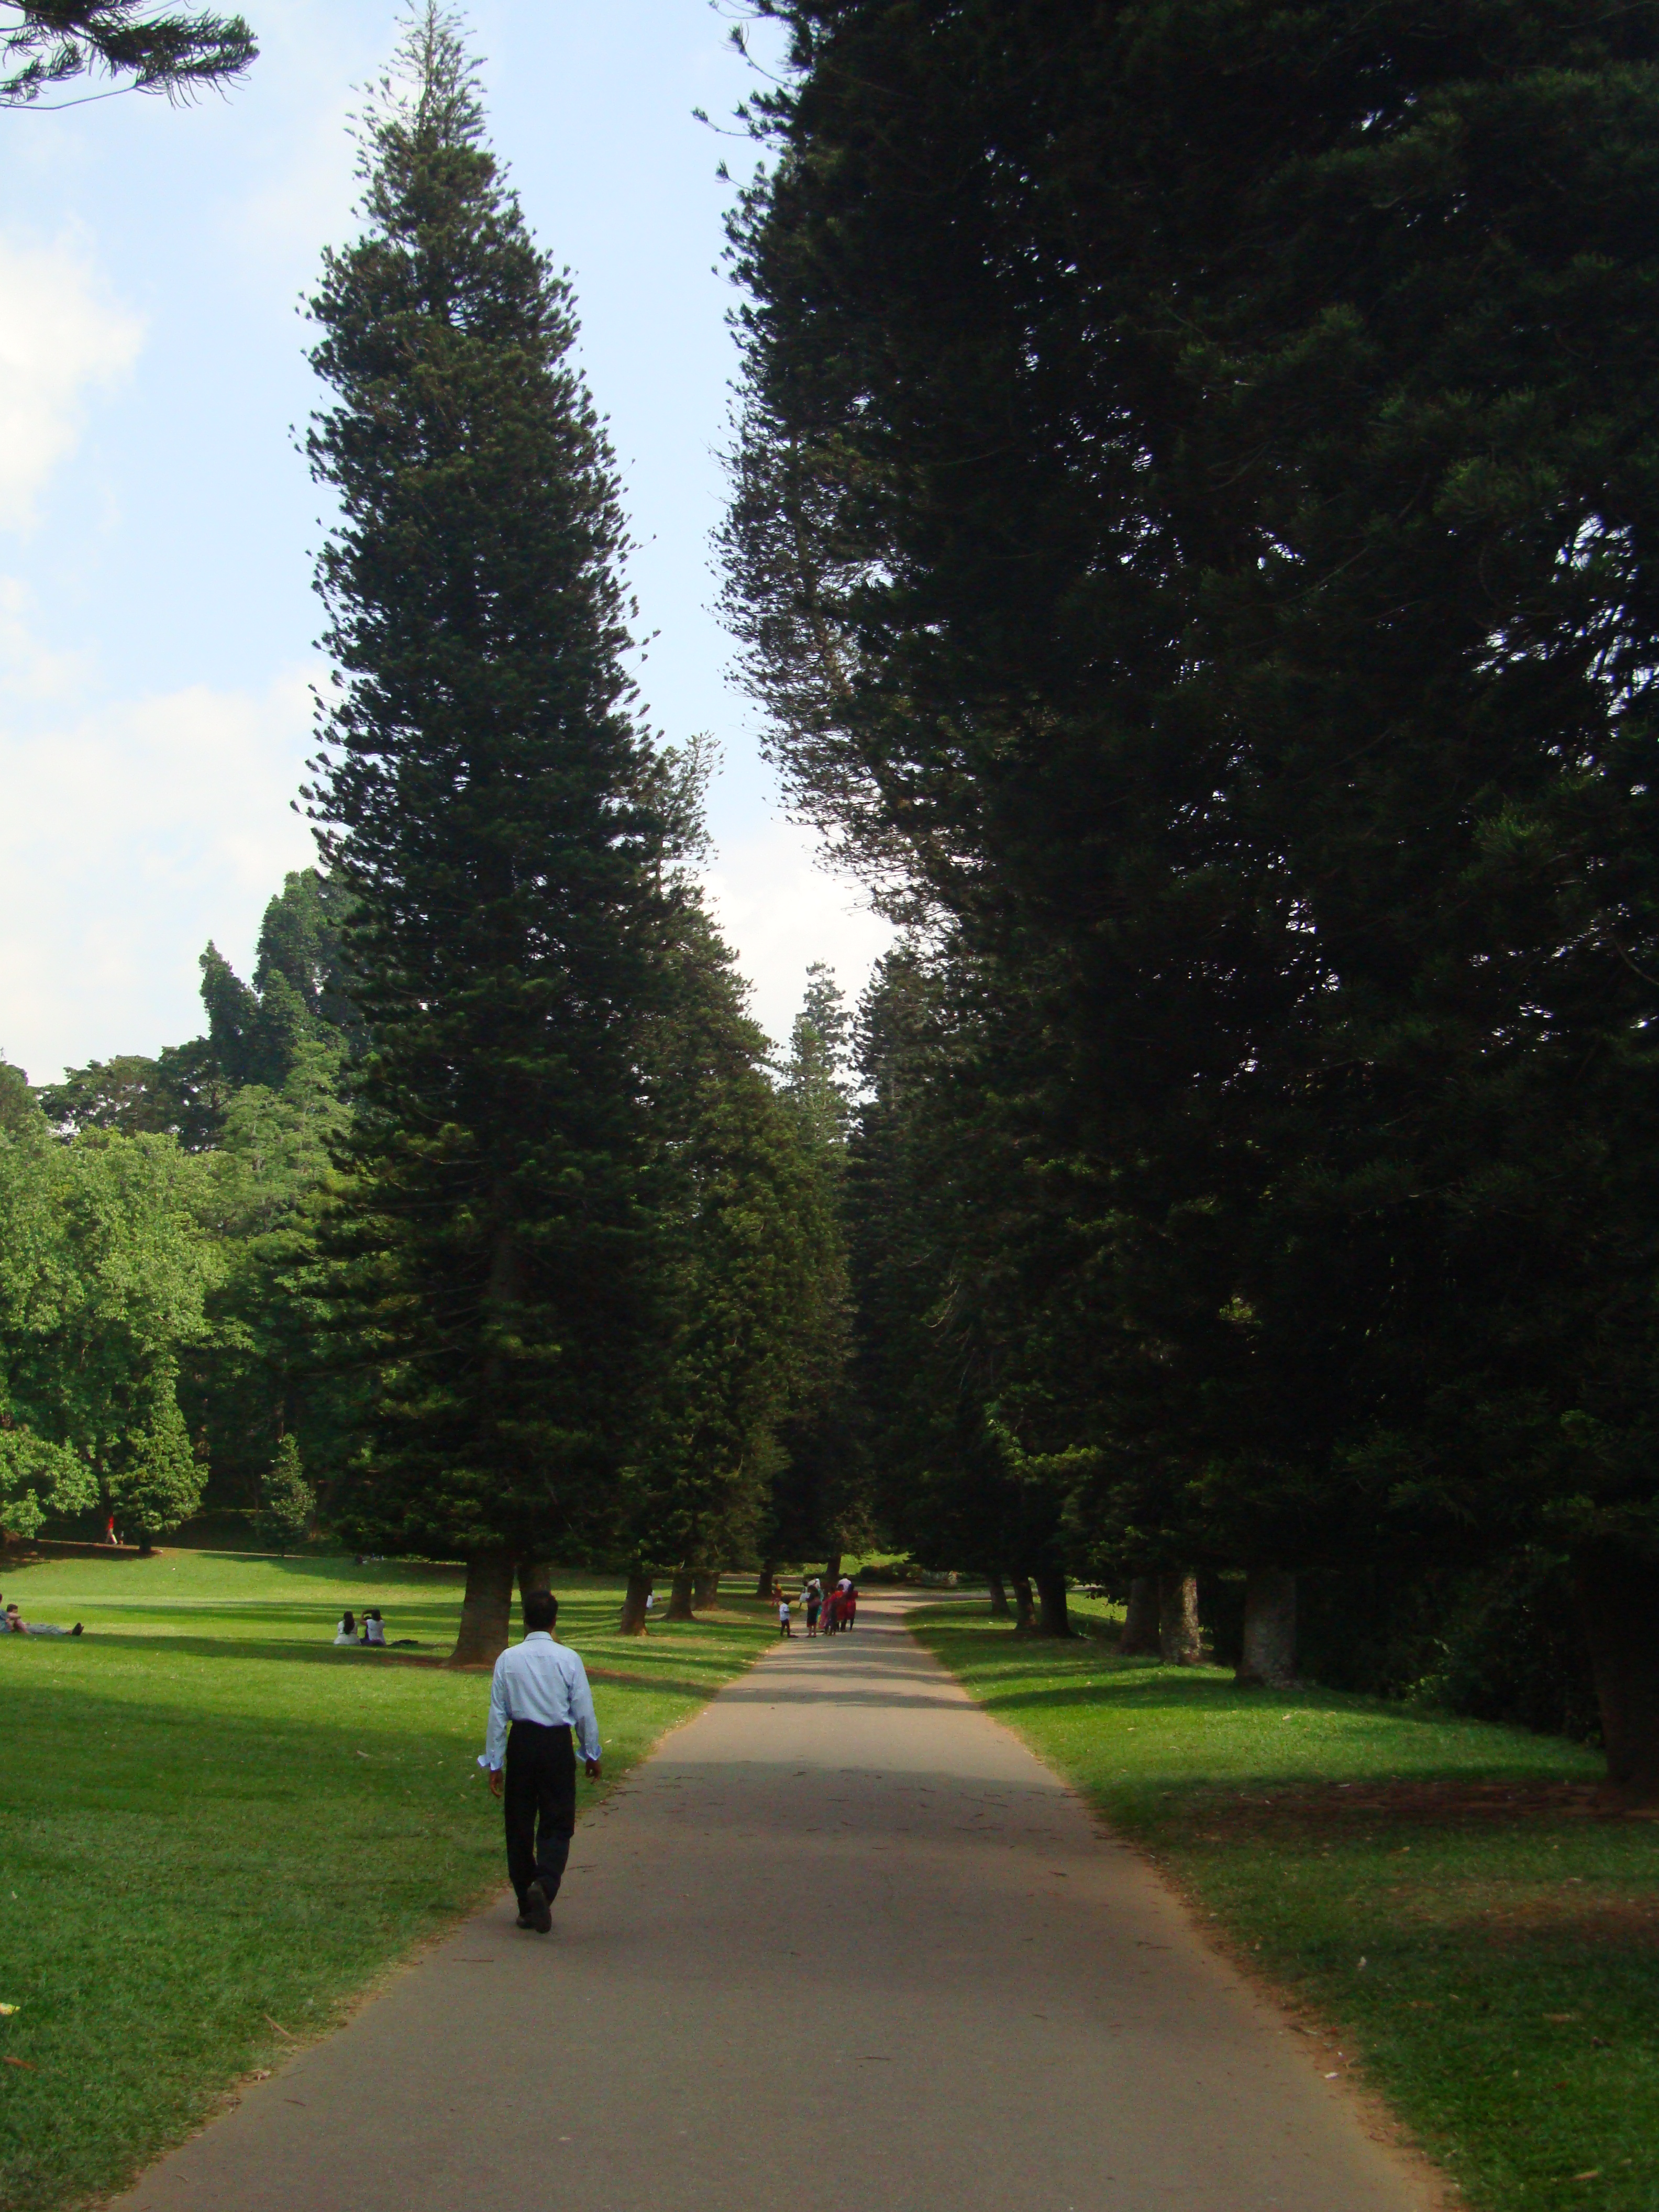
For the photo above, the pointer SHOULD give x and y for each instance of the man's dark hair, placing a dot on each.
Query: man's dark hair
(541, 1608)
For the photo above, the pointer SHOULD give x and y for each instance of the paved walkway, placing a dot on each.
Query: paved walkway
(841, 1924)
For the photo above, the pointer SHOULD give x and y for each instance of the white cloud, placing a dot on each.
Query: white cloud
(59, 332)
(780, 909)
(130, 835)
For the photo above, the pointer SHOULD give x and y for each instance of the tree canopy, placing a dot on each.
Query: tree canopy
(47, 43)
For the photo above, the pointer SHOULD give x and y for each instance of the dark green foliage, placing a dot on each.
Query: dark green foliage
(179, 1093)
(820, 1494)
(156, 1481)
(485, 799)
(18, 1109)
(287, 1504)
(256, 1034)
(54, 41)
(751, 1242)
(1193, 526)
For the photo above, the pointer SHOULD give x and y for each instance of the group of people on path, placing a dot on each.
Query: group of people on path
(834, 1612)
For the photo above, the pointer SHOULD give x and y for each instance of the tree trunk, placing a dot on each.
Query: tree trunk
(705, 1589)
(832, 1572)
(1269, 1649)
(679, 1596)
(632, 1611)
(999, 1597)
(1177, 1619)
(534, 1574)
(1619, 1605)
(766, 1577)
(486, 1609)
(1052, 1617)
(1025, 1605)
(1140, 1637)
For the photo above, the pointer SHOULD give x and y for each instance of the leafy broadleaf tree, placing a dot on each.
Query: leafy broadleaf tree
(106, 1260)
(46, 44)
(485, 796)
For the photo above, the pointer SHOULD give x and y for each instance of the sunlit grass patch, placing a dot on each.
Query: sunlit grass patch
(215, 1827)
(1443, 1898)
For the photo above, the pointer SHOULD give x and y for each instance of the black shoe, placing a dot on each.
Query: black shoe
(538, 1913)
(524, 1920)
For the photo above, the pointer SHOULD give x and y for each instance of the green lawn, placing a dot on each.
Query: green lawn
(211, 1820)
(1440, 1897)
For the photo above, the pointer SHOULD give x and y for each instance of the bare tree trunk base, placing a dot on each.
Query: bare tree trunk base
(1140, 1637)
(705, 1589)
(679, 1596)
(999, 1606)
(1025, 1605)
(1177, 1619)
(1268, 1655)
(633, 1607)
(766, 1577)
(1052, 1617)
(486, 1609)
(1618, 1596)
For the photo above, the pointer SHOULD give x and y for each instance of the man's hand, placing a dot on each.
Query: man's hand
(592, 1766)
(495, 1781)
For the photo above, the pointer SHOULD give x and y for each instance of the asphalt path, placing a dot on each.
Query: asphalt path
(843, 1939)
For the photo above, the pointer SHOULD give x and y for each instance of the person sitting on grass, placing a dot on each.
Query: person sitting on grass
(347, 1631)
(16, 1625)
(374, 1628)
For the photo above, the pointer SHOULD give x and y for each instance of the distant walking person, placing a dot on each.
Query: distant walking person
(538, 1699)
(784, 1629)
(814, 1597)
(832, 1613)
(849, 1605)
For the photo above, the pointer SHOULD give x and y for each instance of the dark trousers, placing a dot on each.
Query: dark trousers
(539, 1797)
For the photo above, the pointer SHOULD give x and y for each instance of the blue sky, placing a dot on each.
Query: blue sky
(157, 623)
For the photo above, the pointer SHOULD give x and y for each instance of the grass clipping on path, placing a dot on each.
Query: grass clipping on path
(1439, 1895)
(217, 1830)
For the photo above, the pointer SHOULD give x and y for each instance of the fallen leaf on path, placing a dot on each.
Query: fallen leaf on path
(260, 2073)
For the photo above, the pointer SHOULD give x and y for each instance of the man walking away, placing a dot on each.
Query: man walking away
(539, 1698)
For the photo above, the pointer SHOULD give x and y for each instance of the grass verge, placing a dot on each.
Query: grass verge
(216, 1830)
(1440, 1897)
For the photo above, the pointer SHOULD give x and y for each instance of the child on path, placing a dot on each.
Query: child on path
(784, 1629)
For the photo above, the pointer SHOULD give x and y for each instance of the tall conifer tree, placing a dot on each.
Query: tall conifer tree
(483, 794)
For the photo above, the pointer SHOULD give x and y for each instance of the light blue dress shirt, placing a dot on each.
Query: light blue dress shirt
(543, 1682)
